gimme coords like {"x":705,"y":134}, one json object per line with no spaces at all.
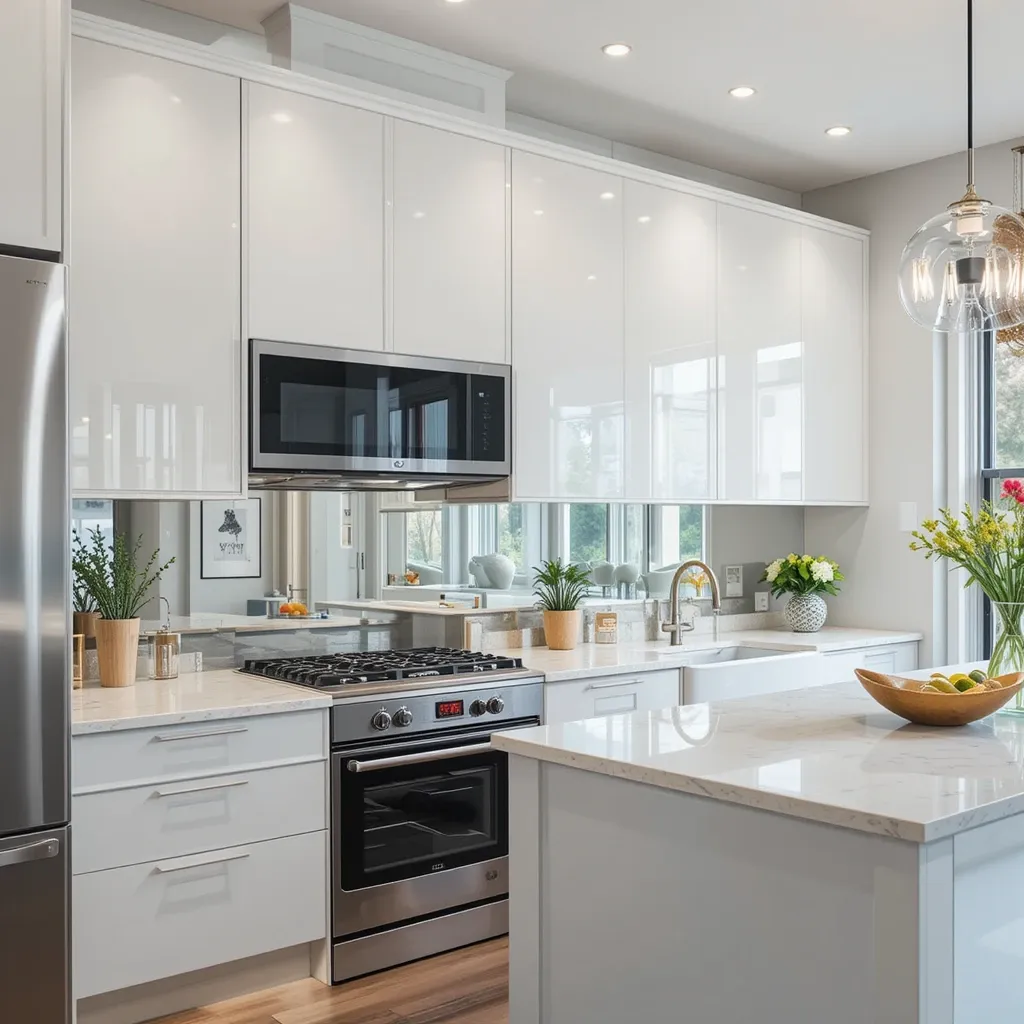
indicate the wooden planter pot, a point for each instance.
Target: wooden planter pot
{"x":117,"y":647}
{"x":562,"y":630}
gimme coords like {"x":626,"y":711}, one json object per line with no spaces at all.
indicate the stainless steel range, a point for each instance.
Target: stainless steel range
{"x":419,"y":800}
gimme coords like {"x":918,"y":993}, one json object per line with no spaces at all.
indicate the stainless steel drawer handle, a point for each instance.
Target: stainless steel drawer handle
{"x":42,"y":850}
{"x":427,"y":755}
{"x":613,"y":686}
{"x":200,"y":860}
{"x":202,"y":787}
{"x":198,"y":734}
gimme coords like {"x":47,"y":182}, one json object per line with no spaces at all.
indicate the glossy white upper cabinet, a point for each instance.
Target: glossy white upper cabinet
{"x":835,"y":440}
{"x":760,"y":357}
{"x":567,"y":330}
{"x":154,"y":271}
{"x":450,"y":198}
{"x":32,"y":49}
{"x":670,"y":345}
{"x":315,"y":220}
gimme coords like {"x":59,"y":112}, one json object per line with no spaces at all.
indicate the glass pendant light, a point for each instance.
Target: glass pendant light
{"x":964,"y":269}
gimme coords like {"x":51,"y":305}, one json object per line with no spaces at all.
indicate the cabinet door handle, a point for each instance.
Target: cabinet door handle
{"x":612,"y":686}
{"x":42,"y":850}
{"x":199,"y":860}
{"x":202,"y":787}
{"x":196,"y":734}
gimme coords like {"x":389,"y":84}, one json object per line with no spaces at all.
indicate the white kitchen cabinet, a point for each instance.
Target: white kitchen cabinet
{"x":315,"y":220}
{"x":669,"y":345}
{"x":760,"y":358}
{"x":892,"y":659}
{"x":567,"y":331}
{"x":832,"y":311}
{"x":155,"y":256}
{"x":449,"y":262}
{"x":576,"y":699}
{"x":32,"y":51}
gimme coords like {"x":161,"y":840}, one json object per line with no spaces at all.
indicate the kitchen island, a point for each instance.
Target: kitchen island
{"x":799,"y":857}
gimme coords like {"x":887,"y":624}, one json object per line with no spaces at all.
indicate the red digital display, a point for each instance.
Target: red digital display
{"x":450,"y":708}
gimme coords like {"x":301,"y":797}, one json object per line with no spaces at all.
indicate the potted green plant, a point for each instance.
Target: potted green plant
{"x":119,"y":587}
{"x":805,"y":578}
{"x":561,"y":588}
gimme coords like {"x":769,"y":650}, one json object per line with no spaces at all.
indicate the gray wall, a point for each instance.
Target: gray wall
{"x":890,"y":586}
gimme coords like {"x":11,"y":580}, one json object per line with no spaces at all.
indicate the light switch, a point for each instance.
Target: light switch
{"x":908,"y":516}
{"x":734,"y":581}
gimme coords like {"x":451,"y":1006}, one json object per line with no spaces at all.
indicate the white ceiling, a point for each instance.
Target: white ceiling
{"x":892,"y":69}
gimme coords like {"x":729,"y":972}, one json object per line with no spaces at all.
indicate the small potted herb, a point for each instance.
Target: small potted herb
{"x":561,"y":588}
{"x":119,"y":588}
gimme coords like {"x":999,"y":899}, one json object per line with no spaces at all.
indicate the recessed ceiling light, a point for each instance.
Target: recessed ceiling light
{"x":616,"y":49}
{"x":419,"y":215}
{"x":837,"y":130}
{"x":742,"y":92}
{"x":455,"y":1}
{"x":538,"y":213}
{"x":607,"y":195}
{"x":85,"y":419}
{"x":175,"y":99}
{"x":643,"y":220}
{"x":591,"y":277}
{"x":281,"y":117}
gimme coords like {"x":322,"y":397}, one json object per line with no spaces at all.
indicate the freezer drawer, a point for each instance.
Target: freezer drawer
{"x":34,"y":933}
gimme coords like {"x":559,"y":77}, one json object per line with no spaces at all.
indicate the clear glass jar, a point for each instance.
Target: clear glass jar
{"x":164,"y":652}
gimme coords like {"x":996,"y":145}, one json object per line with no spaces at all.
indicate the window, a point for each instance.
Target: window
{"x":1002,"y":433}
{"x":588,"y":534}
{"x":423,"y":539}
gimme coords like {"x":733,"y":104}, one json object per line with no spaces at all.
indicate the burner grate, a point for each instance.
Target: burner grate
{"x":330,"y":670}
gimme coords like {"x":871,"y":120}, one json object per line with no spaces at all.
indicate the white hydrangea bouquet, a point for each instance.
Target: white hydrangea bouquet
{"x":805,"y":578}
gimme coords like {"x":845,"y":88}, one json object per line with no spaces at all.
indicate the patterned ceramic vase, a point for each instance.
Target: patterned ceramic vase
{"x":806,"y":613}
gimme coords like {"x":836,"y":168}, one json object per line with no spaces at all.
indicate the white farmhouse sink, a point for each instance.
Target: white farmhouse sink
{"x":725,"y":673}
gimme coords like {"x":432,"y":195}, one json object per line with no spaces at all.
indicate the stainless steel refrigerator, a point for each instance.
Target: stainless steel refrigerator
{"x":35,"y":863}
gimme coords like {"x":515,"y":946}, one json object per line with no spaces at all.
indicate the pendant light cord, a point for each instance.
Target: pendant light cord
{"x":970,"y":94}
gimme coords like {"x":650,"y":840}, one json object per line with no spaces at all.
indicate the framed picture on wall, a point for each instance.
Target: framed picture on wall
{"x":231,"y":539}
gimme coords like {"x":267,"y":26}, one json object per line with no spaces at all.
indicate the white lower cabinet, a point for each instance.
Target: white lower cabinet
{"x":575,"y":699}
{"x":196,"y":845}
{"x":892,"y":659}
{"x":136,"y":924}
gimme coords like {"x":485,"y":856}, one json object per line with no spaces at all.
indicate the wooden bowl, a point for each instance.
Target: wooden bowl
{"x":937,"y":708}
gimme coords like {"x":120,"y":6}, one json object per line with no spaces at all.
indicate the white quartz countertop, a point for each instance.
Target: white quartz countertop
{"x":414,"y":608}
{"x":828,"y":754}
{"x":192,"y":697}
{"x":648,"y":655}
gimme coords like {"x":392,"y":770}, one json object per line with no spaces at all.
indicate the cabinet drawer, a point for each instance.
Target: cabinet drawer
{"x":172,"y":819}
{"x":610,"y":695}
{"x":118,"y":759}
{"x":895,"y":658}
{"x":136,"y":924}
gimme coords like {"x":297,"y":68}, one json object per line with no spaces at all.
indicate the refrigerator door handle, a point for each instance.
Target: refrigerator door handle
{"x":42,"y":850}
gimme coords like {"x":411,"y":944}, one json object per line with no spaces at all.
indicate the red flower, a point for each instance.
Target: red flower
{"x":1013,"y":489}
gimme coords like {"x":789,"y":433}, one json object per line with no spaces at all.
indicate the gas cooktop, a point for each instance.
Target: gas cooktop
{"x":328,"y":671}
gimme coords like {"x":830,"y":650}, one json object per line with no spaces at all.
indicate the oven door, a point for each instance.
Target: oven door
{"x":321,"y":410}
{"x":417,"y":828}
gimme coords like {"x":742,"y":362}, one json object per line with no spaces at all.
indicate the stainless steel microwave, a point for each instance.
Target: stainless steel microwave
{"x":322,"y":417}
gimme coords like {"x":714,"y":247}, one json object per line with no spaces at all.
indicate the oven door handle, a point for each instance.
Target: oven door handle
{"x":428,"y":755}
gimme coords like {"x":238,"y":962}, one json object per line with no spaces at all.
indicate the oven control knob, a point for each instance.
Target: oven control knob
{"x":403,"y":717}
{"x":381,"y":721}
{"x":478,"y":707}
{"x":495,"y":705}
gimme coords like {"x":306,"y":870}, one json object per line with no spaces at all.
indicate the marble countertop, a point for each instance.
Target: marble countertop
{"x":640,"y":655}
{"x":192,"y":697}
{"x":828,"y":754}
{"x":215,"y":622}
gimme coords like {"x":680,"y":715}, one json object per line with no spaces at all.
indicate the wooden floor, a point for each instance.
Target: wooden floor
{"x":469,"y":986}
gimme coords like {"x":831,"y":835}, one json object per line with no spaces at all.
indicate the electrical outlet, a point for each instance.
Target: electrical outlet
{"x":761,"y":601}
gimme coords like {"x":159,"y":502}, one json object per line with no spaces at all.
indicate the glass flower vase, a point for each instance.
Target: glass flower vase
{"x":1008,"y":649}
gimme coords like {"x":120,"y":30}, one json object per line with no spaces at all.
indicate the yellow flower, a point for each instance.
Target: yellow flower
{"x":792,"y":559}
{"x":807,"y":559}
{"x":930,"y":525}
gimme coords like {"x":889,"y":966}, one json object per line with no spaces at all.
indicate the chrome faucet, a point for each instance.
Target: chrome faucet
{"x":673,"y":626}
